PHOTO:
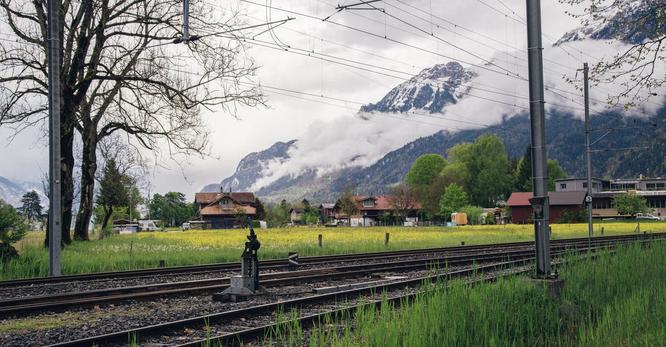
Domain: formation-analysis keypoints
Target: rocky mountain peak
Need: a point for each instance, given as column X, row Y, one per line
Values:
column 630, row 21
column 430, row 90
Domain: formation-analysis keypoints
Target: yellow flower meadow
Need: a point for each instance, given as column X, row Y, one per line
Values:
column 146, row 249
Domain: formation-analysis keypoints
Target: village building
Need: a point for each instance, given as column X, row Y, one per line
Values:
column 226, row 210
column 560, row 203
column 603, row 192
column 376, row 210
column 296, row 215
column 326, row 213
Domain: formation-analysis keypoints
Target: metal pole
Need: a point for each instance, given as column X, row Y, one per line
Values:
column 55, row 200
column 186, row 20
column 588, row 198
column 537, row 120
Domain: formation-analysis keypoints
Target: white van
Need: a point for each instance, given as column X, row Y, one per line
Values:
column 147, row 225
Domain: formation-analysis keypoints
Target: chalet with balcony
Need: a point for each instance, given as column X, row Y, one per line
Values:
column 226, row 210
column 374, row 210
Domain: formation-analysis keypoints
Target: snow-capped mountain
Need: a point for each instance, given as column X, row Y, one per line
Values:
column 12, row 191
column 374, row 150
column 630, row 21
column 430, row 90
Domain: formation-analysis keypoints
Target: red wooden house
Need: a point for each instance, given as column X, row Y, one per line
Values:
column 560, row 202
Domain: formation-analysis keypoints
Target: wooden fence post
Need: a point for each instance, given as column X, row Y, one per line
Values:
column 321, row 239
column 386, row 239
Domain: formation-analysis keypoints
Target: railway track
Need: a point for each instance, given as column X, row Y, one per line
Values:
column 276, row 264
column 27, row 304
column 231, row 326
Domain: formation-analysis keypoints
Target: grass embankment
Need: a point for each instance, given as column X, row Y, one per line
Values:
column 615, row 300
column 145, row 250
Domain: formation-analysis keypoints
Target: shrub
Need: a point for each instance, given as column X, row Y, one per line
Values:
column 572, row 216
column 473, row 214
column 12, row 229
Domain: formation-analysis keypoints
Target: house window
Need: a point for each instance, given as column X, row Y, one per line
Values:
column 563, row 186
column 584, row 184
column 368, row 203
column 623, row 186
column 655, row 186
column 601, row 203
column 225, row 202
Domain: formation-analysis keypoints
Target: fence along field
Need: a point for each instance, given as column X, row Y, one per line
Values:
column 145, row 250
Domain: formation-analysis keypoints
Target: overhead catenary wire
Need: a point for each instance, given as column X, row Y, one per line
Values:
column 366, row 32
column 401, row 43
column 484, row 36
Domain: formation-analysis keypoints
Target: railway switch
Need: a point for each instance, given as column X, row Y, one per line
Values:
column 247, row 284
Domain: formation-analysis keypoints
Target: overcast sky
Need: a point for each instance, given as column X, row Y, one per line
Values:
column 286, row 118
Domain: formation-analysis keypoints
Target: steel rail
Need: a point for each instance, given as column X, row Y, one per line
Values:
column 27, row 304
column 22, row 305
column 264, row 309
column 234, row 266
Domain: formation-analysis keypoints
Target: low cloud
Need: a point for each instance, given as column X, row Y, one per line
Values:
column 360, row 141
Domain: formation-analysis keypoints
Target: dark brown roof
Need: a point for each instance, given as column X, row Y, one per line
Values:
column 240, row 197
column 217, row 210
column 556, row 198
column 381, row 203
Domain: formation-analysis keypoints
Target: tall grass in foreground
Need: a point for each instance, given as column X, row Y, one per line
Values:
column 615, row 300
column 145, row 250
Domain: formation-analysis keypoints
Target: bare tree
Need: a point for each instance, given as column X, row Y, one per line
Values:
column 642, row 25
column 123, row 70
column 402, row 200
column 347, row 204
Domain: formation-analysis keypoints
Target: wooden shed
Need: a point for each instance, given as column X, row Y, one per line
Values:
column 560, row 202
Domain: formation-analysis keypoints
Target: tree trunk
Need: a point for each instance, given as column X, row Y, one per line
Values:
column 107, row 215
column 66, row 180
column 67, row 177
column 88, row 169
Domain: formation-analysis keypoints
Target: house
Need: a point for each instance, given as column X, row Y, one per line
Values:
column 373, row 210
column 560, row 202
column 603, row 192
column 296, row 215
column 226, row 210
column 326, row 213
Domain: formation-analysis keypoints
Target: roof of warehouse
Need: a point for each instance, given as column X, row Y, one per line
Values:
column 555, row 198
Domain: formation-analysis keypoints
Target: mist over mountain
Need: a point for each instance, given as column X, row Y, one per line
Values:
column 447, row 104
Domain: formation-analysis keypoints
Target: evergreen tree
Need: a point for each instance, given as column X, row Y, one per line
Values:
column 31, row 207
column 114, row 190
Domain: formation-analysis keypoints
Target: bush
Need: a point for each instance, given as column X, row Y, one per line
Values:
column 473, row 214
column 12, row 229
column 572, row 216
column 490, row 218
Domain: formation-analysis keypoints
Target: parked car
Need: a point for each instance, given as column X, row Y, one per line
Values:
column 646, row 216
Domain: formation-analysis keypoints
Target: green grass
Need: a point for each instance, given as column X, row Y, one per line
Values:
column 145, row 250
column 615, row 300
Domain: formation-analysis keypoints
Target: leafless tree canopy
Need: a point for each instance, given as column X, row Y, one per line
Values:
column 642, row 24
column 124, row 68
column 121, row 70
